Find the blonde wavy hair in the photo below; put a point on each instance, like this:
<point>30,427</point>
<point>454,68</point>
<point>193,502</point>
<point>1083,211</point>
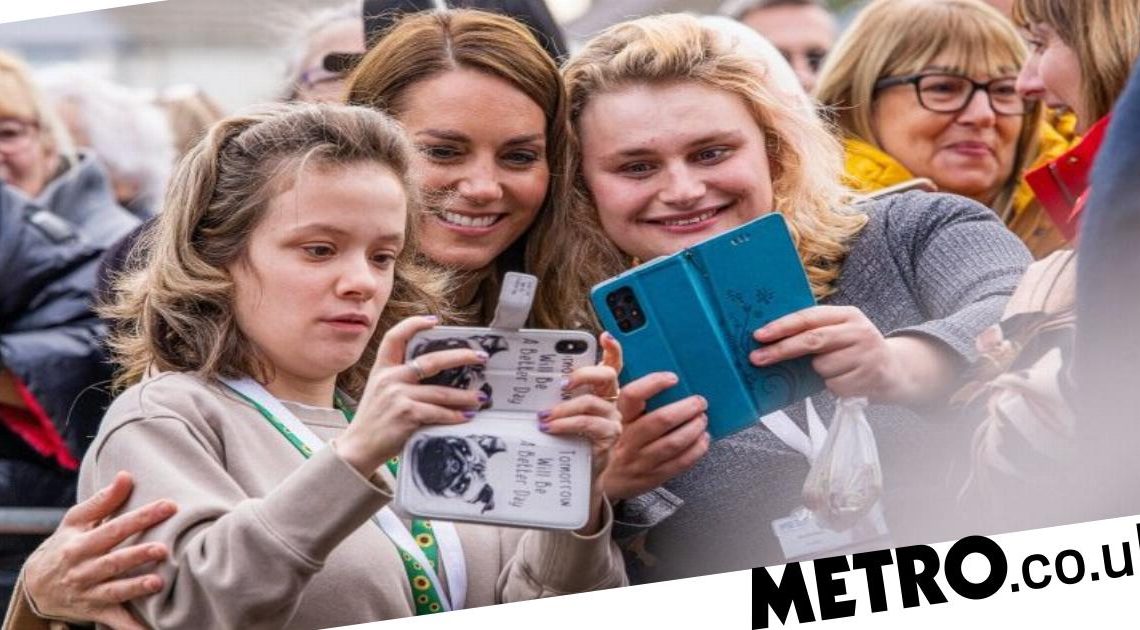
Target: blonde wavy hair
<point>424,45</point>
<point>1104,35</point>
<point>175,313</point>
<point>806,159</point>
<point>900,37</point>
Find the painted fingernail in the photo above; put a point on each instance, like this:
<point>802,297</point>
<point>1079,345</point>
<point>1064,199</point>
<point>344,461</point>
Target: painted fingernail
<point>432,318</point>
<point>543,426</point>
<point>565,382</point>
<point>482,356</point>
<point>543,415</point>
<point>483,398</point>
<point>469,414</point>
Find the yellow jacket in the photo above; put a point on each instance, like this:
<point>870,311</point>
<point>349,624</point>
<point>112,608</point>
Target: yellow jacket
<point>869,169</point>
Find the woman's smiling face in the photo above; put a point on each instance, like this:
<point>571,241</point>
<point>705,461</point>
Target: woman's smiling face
<point>481,158</point>
<point>671,165</point>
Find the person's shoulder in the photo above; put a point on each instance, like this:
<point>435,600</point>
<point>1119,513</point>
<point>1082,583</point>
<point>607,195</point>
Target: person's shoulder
<point>183,396</point>
<point>918,213</point>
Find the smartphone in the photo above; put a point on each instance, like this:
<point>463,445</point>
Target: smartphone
<point>693,313</point>
<point>498,467</point>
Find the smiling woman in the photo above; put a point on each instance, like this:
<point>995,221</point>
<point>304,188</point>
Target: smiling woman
<point>485,106</point>
<point>683,138</point>
<point>927,89</point>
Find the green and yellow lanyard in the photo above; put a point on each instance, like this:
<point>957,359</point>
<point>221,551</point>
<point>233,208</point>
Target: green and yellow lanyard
<point>420,549</point>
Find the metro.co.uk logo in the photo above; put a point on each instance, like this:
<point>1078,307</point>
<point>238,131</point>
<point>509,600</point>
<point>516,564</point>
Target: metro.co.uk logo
<point>915,573</point>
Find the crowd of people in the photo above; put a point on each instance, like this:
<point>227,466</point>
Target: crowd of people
<point>933,163</point>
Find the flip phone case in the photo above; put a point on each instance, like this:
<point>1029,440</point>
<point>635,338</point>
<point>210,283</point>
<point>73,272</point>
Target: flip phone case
<point>498,467</point>
<point>693,313</point>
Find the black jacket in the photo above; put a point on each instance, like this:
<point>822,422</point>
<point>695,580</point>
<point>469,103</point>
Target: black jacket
<point>50,338</point>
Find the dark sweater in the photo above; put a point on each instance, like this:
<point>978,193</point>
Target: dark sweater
<point>934,265</point>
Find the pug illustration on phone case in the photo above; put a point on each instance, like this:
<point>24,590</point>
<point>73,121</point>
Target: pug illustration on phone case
<point>498,467</point>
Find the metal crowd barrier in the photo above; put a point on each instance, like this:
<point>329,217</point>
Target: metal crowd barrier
<point>15,521</point>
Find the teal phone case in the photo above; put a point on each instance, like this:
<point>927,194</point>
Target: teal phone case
<point>700,307</point>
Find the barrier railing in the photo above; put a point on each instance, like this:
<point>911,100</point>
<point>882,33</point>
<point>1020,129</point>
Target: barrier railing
<point>29,520</point>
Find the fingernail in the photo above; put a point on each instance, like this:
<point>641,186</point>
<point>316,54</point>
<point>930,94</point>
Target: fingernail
<point>759,357</point>
<point>704,401</point>
<point>157,552</point>
<point>763,332</point>
<point>152,583</point>
<point>543,415</point>
<point>432,318</point>
<point>483,398</point>
<point>482,356</point>
<point>469,414</point>
<point>565,382</point>
<point>543,426</point>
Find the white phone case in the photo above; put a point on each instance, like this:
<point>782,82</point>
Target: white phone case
<point>498,467</point>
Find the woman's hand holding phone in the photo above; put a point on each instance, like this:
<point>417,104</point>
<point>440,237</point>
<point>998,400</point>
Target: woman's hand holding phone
<point>395,404</point>
<point>855,359</point>
<point>593,416</point>
<point>655,446</point>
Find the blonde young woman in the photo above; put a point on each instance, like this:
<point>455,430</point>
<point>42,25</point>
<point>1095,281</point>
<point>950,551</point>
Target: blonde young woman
<point>926,88</point>
<point>284,258</point>
<point>681,139</point>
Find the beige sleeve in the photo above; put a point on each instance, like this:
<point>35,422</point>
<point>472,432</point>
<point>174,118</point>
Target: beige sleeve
<point>548,563</point>
<point>22,615</point>
<point>236,561</point>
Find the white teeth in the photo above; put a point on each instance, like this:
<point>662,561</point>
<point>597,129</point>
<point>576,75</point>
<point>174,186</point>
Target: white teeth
<point>463,220</point>
<point>705,216</point>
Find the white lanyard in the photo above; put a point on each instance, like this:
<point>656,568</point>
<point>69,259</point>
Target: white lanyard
<point>789,433</point>
<point>450,549</point>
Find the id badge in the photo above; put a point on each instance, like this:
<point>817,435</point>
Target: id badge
<point>802,537</point>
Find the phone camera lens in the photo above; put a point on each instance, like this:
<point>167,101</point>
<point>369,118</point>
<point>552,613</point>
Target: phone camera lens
<point>625,325</point>
<point>570,346</point>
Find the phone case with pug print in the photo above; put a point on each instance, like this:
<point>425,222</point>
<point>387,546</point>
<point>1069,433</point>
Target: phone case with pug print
<point>498,467</point>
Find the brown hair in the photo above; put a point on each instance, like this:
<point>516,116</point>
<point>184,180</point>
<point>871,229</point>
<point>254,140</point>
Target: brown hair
<point>899,37</point>
<point>1104,35</point>
<point>176,312</point>
<point>424,45</point>
<point>806,158</point>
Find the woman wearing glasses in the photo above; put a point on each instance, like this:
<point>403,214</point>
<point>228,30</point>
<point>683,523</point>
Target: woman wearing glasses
<point>928,89</point>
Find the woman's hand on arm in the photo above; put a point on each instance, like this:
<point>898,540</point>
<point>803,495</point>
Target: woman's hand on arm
<point>77,574</point>
<point>395,404</point>
<point>855,359</point>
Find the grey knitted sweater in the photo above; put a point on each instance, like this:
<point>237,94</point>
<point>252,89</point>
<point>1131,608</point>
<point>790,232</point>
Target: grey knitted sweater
<point>934,265</point>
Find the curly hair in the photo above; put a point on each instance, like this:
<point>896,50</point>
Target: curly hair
<point>175,311</point>
<point>805,157</point>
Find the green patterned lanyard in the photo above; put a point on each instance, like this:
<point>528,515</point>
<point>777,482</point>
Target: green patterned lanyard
<point>424,594</point>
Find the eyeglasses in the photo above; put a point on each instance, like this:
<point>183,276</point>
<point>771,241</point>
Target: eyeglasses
<point>15,134</point>
<point>951,93</point>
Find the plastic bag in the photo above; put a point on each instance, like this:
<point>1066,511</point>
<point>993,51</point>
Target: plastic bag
<point>845,480</point>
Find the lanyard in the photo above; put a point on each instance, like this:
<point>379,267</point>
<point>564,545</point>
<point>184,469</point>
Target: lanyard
<point>427,593</point>
<point>783,427</point>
